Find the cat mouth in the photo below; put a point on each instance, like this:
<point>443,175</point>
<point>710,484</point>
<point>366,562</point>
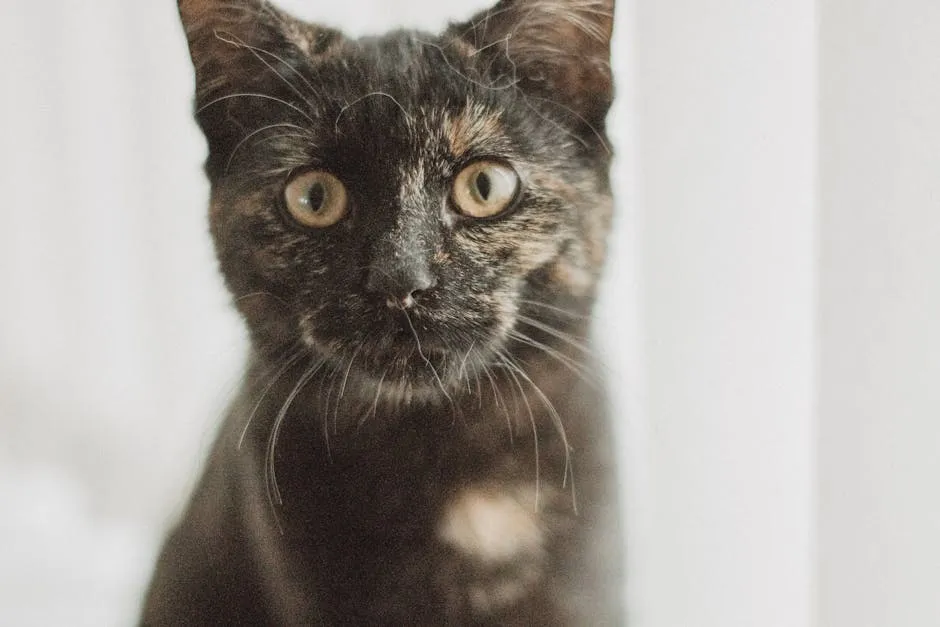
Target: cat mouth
<point>410,362</point>
<point>418,356</point>
<point>399,359</point>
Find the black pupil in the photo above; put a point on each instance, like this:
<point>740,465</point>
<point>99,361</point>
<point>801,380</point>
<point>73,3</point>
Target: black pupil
<point>484,186</point>
<point>316,196</point>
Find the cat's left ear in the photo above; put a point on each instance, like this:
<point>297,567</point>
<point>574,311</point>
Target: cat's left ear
<point>559,48</point>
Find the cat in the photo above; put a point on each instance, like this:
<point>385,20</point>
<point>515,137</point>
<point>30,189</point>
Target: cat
<point>413,227</point>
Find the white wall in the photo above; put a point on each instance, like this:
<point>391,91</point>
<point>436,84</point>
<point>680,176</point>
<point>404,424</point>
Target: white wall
<point>116,348</point>
<point>726,161</point>
<point>879,273</point>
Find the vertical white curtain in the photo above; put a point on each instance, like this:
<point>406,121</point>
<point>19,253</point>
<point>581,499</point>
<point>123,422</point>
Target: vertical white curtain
<point>116,347</point>
<point>770,313</point>
<point>879,324</point>
<point>726,144</point>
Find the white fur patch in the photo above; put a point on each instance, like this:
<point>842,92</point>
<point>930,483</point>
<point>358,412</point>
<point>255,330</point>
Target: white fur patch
<point>492,527</point>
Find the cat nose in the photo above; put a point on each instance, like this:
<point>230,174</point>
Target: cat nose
<point>400,283</point>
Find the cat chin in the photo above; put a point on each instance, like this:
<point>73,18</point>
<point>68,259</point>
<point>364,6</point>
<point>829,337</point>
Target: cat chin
<point>418,381</point>
<point>408,393</point>
<point>400,377</point>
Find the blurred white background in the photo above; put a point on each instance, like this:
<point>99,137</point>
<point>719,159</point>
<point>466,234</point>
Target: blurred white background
<point>770,315</point>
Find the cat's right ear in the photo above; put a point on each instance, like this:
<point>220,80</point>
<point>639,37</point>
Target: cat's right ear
<point>248,55</point>
<point>220,33</point>
<point>236,43</point>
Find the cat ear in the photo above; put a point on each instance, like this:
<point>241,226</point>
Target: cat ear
<point>560,48</point>
<point>234,42</point>
<point>219,35</point>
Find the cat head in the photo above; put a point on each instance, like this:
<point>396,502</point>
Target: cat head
<point>402,206</point>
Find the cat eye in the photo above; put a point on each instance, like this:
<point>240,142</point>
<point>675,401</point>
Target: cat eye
<point>484,189</point>
<point>316,199</point>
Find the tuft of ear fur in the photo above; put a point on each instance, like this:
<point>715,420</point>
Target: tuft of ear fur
<point>249,58</point>
<point>559,48</point>
<point>230,41</point>
<point>220,34</point>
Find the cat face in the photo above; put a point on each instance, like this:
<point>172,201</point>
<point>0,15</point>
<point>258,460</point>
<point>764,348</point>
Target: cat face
<point>397,205</point>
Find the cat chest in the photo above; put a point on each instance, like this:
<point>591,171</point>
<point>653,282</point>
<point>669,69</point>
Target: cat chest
<point>499,542</point>
<point>484,550</point>
<point>491,527</point>
<point>445,529</point>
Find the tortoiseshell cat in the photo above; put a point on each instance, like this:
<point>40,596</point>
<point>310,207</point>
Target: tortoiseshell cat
<point>412,227</point>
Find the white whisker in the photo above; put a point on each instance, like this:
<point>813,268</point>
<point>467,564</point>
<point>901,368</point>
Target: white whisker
<point>559,426</point>
<point>577,368</point>
<point>362,98</point>
<point>567,338</point>
<point>235,41</point>
<point>290,361</point>
<point>427,361</point>
<point>274,493</point>
<point>238,146</point>
<point>287,104</point>
<point>512,370</point>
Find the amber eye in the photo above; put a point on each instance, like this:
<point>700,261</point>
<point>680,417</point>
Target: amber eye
<point>485,188</point>
<point>316,199</point>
